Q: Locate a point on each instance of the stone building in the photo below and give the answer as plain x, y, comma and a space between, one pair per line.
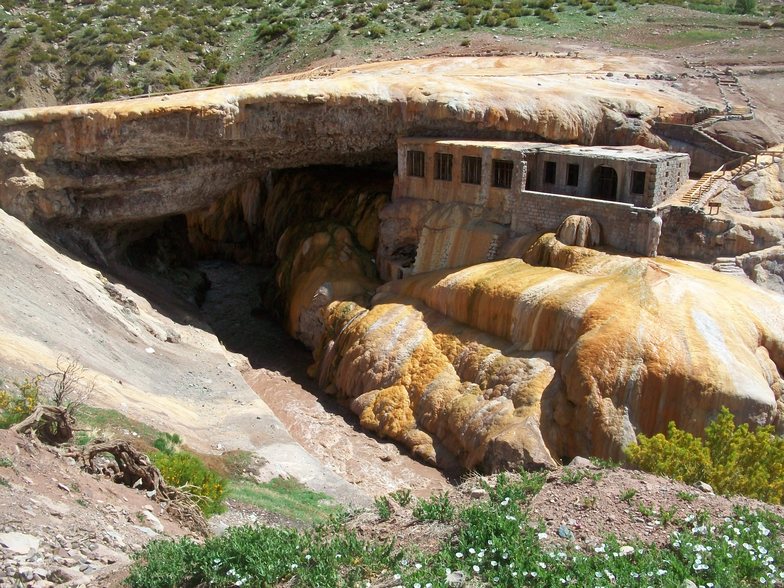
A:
459, 202
459, 170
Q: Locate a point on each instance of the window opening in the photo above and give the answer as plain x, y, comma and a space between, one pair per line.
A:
415, 163
573, 174
549, 172
502, 173
472, 170
638, 182
443, 167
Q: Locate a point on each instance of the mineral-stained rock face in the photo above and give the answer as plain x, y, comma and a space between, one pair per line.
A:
579, 230
589, 352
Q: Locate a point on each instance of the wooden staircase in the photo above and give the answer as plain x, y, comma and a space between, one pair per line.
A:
694, 195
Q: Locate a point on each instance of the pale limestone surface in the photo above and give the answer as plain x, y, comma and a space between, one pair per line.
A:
174, 376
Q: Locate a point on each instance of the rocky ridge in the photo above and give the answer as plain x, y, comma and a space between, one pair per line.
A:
154, 157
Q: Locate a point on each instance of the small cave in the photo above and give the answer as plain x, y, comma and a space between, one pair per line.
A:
242, 247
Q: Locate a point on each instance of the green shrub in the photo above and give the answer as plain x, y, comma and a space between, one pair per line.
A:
382, 508
360, 21
733, 459
520, 491
167, 443
745, 6
263, 556
495, 544
377, 9
144, 56
436, 508
220, 76
438, 22
376, 31
402, 497
185, 470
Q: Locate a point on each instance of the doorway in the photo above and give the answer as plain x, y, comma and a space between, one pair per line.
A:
605, 183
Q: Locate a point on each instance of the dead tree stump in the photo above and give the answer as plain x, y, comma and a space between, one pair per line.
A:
133, 468
53, 425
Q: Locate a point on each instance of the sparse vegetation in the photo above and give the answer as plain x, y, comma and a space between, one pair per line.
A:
286, 497
732, 459
402, 497
521, 490
382, 508
687, 496
576, 475
436, 508
15, 407
103, 50
494, 543
186, 471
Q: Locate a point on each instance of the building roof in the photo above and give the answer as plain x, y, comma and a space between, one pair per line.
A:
625, 152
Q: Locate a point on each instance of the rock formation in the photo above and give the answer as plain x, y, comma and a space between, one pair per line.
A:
751, 200
160, 365
582, 231
122, 162
507, 362
553, 351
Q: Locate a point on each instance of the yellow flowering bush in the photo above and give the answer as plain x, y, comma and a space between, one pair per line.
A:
733, 459
14, 408
185, 470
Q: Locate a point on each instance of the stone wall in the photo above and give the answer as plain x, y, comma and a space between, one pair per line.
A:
667, 178
706, 153
496, 202
664, 175
624, 226
692, 234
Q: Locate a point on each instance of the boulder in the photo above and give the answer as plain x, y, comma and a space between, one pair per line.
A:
20, 543
748, 136
582, 231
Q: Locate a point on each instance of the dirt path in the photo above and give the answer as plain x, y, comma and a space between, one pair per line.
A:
327, 430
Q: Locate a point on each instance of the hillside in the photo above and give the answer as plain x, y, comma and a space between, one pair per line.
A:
83, 51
